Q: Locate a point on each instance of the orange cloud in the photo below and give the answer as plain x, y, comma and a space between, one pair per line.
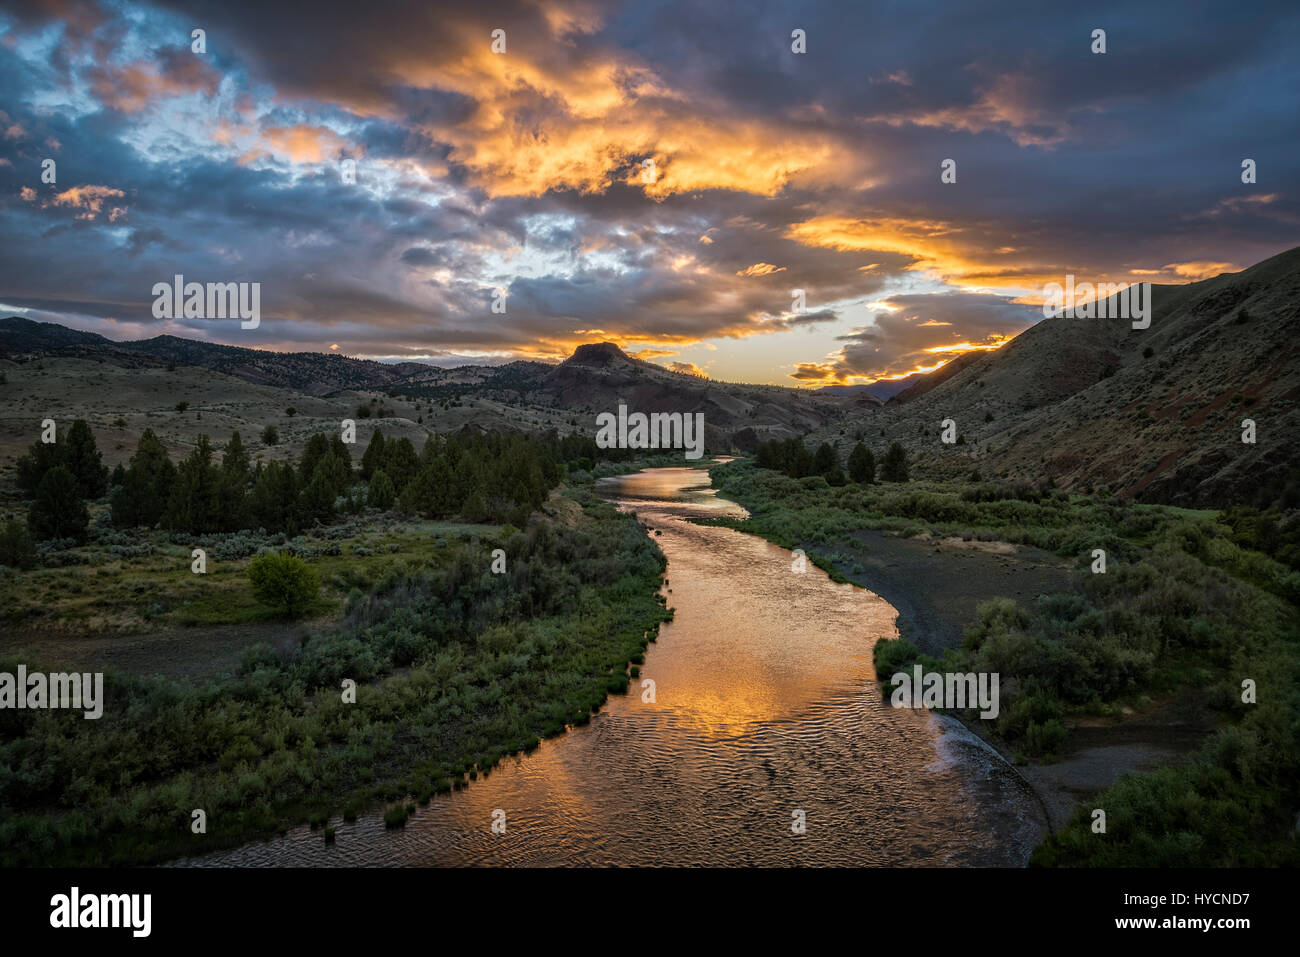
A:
302, 143
958, 255
959, 346
90, 200
1193, 271
760, 269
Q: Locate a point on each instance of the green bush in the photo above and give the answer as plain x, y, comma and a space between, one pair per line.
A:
17, 550
892, 656
284, 581
396, 816
1045, 739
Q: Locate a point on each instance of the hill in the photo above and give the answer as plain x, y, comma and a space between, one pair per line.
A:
521, 396
1154, 413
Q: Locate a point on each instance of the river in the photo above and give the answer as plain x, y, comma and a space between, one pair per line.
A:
765, 713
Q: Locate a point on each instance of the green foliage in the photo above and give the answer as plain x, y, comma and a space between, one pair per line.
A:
381, 493
472, 665
270, 435
862, 465
17, 550
824, 460
83, 460
1185, 606
272, 503
284, 581
494, 477
316, 503
58, 510
1045, 739
373, 457
195, 501
894, 467
790, 456
400, 462
146, 485
32, 466
332, 452
232, 491
893, 656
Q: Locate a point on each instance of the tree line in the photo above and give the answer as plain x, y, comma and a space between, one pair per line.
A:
793, 458
477, 477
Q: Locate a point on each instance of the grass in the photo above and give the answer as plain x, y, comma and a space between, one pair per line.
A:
97, 590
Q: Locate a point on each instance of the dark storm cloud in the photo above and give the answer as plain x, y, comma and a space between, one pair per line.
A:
775, 171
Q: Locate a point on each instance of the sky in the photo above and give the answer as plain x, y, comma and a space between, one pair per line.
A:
660, 175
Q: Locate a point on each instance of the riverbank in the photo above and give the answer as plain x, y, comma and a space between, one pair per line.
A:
455, 668
755, 699
1073, 724
938, 583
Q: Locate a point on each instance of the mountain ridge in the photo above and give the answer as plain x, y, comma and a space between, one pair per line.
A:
1155, 414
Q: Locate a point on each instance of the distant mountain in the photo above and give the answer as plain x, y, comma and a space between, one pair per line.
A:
1152, 413
593, 380
313, 373
600, 375
882, 389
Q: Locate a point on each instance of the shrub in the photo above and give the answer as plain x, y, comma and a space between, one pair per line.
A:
1046, 738
270, 435
284, 581
892, 656
17, 550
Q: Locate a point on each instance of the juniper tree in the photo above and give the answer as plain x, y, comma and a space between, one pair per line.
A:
862, 465
894, 468
146, 485
84, 461
58, 510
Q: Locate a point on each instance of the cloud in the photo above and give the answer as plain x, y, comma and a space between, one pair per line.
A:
912, 333
760, 269
523, 170
89, 200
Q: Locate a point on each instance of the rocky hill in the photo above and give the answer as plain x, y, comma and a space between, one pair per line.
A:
528, 396
1153, 413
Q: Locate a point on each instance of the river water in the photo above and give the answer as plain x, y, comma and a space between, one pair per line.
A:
765, 705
